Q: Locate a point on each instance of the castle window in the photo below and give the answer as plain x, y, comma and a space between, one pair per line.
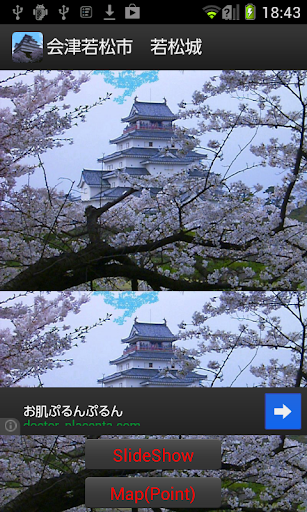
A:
150, 144
150, 365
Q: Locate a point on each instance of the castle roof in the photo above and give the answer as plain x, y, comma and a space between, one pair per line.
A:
150, 332
156, 377
129, 152
154, 155
116, 192
139, 133
149, 110
132, 171
166, 155
172, 378
136, 171
157, 355
94, 178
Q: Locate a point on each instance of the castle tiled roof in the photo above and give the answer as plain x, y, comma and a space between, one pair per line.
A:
115, 192
172, 378
149, 331
158, 355
172, 156
112, 193
154, 155
136, 171
99, 176
94, 178
156, 377
149, 110
133, 152
145, 134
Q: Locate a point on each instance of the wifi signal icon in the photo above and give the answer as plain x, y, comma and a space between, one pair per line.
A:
211, 10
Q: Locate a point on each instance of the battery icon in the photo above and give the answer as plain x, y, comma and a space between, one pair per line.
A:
250, 12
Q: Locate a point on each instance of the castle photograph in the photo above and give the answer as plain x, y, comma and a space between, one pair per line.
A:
148, 146
149, 360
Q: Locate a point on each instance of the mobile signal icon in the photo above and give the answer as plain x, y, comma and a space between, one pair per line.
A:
211, 10
231, 13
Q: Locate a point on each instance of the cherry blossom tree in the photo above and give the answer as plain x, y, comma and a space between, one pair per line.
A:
34, 119
35, 56
259, 321
34, 334
175, 233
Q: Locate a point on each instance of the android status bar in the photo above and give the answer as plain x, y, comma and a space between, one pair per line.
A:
169, 13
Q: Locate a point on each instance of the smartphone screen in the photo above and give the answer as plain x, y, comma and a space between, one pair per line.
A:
153, 257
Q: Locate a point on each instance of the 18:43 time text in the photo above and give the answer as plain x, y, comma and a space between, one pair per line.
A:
277, 12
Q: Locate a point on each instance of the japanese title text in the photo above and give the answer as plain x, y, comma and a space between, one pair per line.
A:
111, 46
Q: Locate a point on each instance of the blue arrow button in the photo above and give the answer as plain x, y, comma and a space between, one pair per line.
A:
283, 411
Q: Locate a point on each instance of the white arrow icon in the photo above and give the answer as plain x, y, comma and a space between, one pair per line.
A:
109, 11
283, 411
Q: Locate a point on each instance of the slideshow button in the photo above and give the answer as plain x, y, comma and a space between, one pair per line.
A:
153, 454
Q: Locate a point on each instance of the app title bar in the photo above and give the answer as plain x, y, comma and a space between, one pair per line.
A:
153, 47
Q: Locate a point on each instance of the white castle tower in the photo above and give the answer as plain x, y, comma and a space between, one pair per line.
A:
147, 146
149, 360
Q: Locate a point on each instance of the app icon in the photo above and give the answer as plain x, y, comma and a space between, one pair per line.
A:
283, 411
27, 47
132, 12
